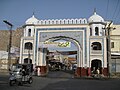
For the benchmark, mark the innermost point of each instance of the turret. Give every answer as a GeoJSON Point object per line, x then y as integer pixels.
{"type": "Point", "coordinates": [29, 26]}
{"type": "Point", "coordinates": [97, 24]}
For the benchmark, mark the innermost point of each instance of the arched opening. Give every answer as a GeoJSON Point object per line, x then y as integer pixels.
{"type": "Point", "coordinates": [63, 59]}
{"type": "Point", "coordinates": [28, 46]}
{"type": "Point", "coordinates": [96, 64]}
{"type": "Point", "coordinates": [27, 61]}
{"type": "Point", "coordinates": [84, 21]}
{"type": "Point", "coordinates": [80, 21]}
{"type": "Point", "coordinates": [96, 46]}
{"type": "Point", "coordinates": [96, 31]}
{"type": "Point", "coordinates": [29, 32]}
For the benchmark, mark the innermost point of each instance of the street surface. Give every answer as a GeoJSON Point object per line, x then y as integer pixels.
{"type": "Point", "coordinates": [62, 83]}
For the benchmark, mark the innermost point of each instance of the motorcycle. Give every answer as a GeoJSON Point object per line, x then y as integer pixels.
{"type": "Point", "coordinates": [17, 77]}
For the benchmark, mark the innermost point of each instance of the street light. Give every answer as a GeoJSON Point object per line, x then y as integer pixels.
{"type": "Point", "coordinates": [10, 41]}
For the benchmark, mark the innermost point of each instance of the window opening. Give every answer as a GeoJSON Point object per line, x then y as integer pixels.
{"type": "Point", "coordinates": [28, 45]}
{"type": "Point", "coordinates": [96, 31]}
{"type": "Point", "coordinates": [29, 32]}
{"type": "Point", "coordinates": [96, 46]}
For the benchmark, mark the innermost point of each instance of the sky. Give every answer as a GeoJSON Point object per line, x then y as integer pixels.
{"type": "Point", "coordinates": [18, 11]}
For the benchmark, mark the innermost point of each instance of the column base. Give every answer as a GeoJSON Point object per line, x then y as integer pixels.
{"type": "Point", "coordinates": [42, 71]}
{"type": "Point", "coordinates": [105, 72]}
{"type": "Point", "coordinates": [81, 72]}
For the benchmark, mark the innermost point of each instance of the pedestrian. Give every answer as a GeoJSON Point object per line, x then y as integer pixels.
{"type": "Point", "coordinates": [34, 71]}
{"type": "Point", "coordinates": [23, 74]}
{"type": "Point", "coordinates": [98, 72]}
{"type": "Point", "coordinates": [38, 71]}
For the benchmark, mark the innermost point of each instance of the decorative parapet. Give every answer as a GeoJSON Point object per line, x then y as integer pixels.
{"type": "Point", "coordinates": [63, 21]}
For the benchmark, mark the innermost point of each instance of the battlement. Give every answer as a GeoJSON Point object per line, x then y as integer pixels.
{"type": "Point", "coordinates": [62, 21]}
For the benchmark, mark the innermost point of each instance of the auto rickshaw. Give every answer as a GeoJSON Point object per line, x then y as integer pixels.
{"type": "Point", "coordinates": [20, 74]}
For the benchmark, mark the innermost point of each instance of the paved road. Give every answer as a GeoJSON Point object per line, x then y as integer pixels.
{"type": "Point", "coordinates": [48, 83]}
{"type": "Point", "coordinates": [60, 74]}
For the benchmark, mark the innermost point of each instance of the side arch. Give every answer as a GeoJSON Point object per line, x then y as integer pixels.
{"type": "Point", "coordinates": [96, 64]}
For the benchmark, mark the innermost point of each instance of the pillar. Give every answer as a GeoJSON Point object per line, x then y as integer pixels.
{"type": "Point", "coordinates": [42, 61]}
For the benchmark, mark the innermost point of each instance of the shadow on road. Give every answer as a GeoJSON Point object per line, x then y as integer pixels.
{"type": "Point", "coordinates": [60, 74]}
{"type": "Point", "coordinates": [48, 83]}
{"type": "Point", "coordinates": [84, 84]}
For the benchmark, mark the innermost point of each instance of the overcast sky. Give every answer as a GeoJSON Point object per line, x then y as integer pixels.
{"type": "Point", "coordinates": [18, 11]}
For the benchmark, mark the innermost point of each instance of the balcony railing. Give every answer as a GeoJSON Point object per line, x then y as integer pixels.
{"type": "Point", "coordinates": [96, 52]}
{"type": "Point", "coordinates": [26, 51]}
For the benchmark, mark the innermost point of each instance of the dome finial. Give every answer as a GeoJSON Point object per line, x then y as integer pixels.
{"type": "Point", "coordinates": [95, 18]}
{"type": "Point", "coordinates": [94, 11]}
{"type": "Point", "coordinates": [32, 20]}
{"type": "Point", "coordinates": [33, 15]}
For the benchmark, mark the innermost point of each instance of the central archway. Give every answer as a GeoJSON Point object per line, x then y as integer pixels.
{"type": "Point", "coordinates": [78, 54]}
{"type": "Point", "coordinates": [76, 43]}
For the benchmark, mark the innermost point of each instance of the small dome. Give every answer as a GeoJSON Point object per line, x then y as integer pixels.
{"type": "Point", "coordinates": [95, 18]}
{"type": "Point", "coordinates": [32, 20]}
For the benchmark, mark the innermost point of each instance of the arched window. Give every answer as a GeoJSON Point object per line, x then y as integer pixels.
{"type": "Point", "coordinates": [72, 21]}
{"type": "Point", "coordinates": [76, 22]}
{"type": "Point", "coordinates": [53, 22]}
{"type": "Point", "coordinates": [41, 22]}
{"type": "Point", "coordinates": [80, 21]}
{"type": "Point", "coordinates": [56, 22]}
{"type": "Point", "coordinates": [28, 45]}
{"type": "Point", "coordinates": [96, 46]}
{"type": "Point", "coordinates": [45, 22]}
{"type": "Point", "coordinates": [96, 31]}
{"type": "Point", "coordinates": [84, 21]}
{"type": "Point", "coordinates": [68, 22]}
{"type": "Point", "coordinates": [90, 31]}
{"type": "Point", "coordinates": [60, 22]}
{"type": "Point", "coordinates": [29, 32]}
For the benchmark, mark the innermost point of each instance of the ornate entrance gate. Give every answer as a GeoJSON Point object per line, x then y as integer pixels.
{"type": "Point", "coordinates": [89, 38]}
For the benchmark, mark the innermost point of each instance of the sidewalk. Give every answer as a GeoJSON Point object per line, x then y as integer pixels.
{"type": "Point", "coordinates": [98, 78]}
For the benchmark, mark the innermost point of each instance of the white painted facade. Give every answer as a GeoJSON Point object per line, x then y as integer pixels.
{"type": "Point", "coordinates": [87, 35]}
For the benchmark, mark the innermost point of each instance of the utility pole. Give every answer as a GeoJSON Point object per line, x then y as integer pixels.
{"type": "Point", "coordinates": [10, 41]}
{"type": "Point", "coordinates": [107, 30]}
{"type": "Point", "coordinates": [28, 56]}
{"type": "Point", "coordinates": [29, 48]}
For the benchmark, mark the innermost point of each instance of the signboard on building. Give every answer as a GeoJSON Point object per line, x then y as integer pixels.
{"type": "Point", "coordinates": [3, 64]}
{"type": "Point", "coordinates": [55, 44]}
